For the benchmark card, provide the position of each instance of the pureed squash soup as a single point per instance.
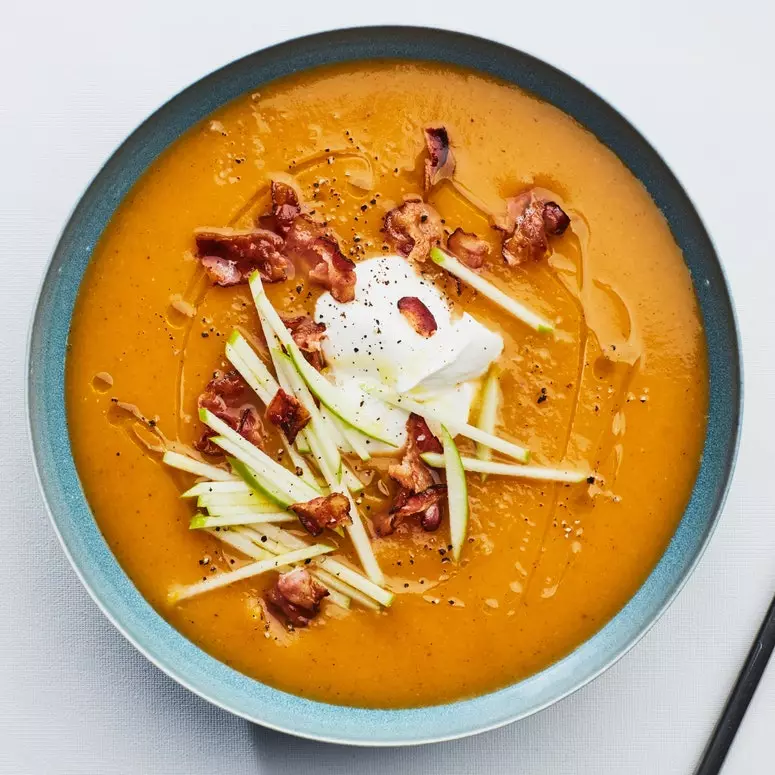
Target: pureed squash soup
(423, 566)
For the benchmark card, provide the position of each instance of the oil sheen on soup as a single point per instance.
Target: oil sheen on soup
(618, 389)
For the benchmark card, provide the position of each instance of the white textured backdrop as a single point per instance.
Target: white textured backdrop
(77, 77)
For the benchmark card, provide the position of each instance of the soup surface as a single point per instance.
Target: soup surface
(619, 390)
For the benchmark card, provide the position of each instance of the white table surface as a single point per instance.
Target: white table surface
(77, 77)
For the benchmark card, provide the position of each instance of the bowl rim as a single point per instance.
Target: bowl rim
(376, 42)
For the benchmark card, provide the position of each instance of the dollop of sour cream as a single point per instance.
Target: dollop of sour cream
(369, 341)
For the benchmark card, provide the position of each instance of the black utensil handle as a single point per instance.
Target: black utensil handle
(740, 697)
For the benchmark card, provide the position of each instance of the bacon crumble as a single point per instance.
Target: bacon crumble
(468, 247)
(308, 336)
(411, 473)
(300, 236)
(421, 436)
(296, 596)
(285, 206)
(329, 511)
(419, 316)
(415, 479)
(229, 256)
(222, 271)
(227, 396)
(528, 224)
(425, 505)
(418, 503)
(440, 163)
(414, 228)
(308, 240)
(334, 271)
(250, 427)
(556, 220)
(287, 413)
(228, 384)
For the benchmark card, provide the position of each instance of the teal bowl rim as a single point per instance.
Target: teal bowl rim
(97, 567)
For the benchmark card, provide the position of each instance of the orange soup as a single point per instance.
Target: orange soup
(432, 241)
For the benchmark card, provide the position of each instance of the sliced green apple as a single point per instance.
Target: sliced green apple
(291, 380)
(488, 412)
(302, 470)
(244, 358)
(457, 493)
(196, 467)
(247, 362)
(366, 585)
(200, 521)
(350, 480)
(344, 407)
(245, 498)
(241, 543)
(492, 292)
(460, 428)
(343, 572)
(251, 513)
(332, 583)
(355, 529)
(233, 487)
(302, 445)
(436, 460)
(274, 478)
(354, 439)
(258, 483)
(180, 592)
(250, 544)
(487, 418)
(258, 535)
(263, 473)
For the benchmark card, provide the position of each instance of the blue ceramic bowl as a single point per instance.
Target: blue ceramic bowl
(113, 590)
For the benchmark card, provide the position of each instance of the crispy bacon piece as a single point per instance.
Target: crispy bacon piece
(414, 228)
(296, 596)
(425, 504)
(246, 422)
(228, 385)
(301, 234)
(228, 397)
(440, 163)
(469, 248)
(415, 479)
(286, 412)
(250, 426)
(308, 240)
(383, 524)
(528, 224)
(419, 316)
(222, 271)
(285, 206)
(418, 503)
(301, 589)
(229, 256)
(420, 435)
(411, 473)
(528, 239)
(308, 336)
(333, 271)
(556, 220)
(328, 511)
